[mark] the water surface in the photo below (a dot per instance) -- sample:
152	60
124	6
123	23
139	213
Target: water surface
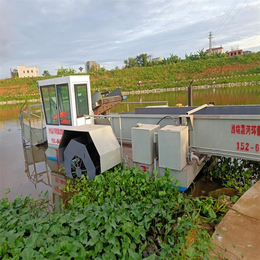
13	166
249	95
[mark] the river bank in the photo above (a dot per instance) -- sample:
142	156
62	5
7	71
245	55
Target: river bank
149	91
36	100
213	86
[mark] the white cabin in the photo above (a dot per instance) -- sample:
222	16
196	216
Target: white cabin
66	102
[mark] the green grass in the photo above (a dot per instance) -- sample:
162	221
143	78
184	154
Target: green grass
185	70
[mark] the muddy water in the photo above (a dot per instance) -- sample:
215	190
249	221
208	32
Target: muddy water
22	178
14	171
249	95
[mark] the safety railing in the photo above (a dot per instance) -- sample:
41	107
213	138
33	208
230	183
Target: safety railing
32	121
140	102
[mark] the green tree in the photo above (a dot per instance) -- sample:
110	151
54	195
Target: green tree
46	73
14	73
103	69
132	62
126	63
93	68
202	54
65	72
192	56
172	59
141	60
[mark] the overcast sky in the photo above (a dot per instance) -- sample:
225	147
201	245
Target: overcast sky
48	33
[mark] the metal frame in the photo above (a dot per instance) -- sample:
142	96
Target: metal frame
47	86
78	85
145	102
58	105
33	129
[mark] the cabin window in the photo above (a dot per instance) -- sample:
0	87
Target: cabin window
64	104
81	100
49	104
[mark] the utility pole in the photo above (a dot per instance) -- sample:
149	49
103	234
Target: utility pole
210	41
189	94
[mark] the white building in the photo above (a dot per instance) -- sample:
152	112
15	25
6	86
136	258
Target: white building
26	72
216	50
158	59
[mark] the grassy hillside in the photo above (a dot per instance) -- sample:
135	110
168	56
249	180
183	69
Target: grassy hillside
223	70
174	75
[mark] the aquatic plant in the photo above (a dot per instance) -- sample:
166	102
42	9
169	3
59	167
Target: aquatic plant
236	173
124	214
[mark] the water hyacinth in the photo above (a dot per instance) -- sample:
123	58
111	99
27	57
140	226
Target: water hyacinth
124	214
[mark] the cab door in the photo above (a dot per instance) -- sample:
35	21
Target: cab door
64	115
57	110
83	109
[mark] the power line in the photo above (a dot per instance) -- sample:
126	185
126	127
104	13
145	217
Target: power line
248	41
250	46
240	39
232	17
226	16
242	43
